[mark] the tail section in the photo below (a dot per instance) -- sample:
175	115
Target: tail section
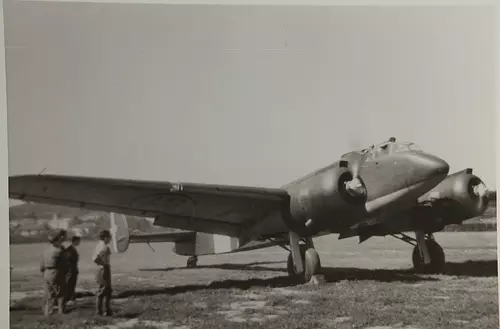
206	244
212	244
185	243
120	238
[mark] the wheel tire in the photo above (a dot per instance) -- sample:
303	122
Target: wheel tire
311	261
436	254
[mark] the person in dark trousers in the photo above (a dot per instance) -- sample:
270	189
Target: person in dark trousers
53	268
101	257
64	266
72	258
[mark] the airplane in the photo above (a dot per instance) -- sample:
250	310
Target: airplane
392	188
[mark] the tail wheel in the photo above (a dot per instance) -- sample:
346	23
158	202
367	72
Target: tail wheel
192	262
436	254
311	261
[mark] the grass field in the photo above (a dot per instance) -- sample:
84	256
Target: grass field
368	285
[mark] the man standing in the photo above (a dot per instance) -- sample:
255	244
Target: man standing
101	257
72	258
53	268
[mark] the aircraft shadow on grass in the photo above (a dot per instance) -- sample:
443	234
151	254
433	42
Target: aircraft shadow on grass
469	269
279	282
485	268
480	268
257	266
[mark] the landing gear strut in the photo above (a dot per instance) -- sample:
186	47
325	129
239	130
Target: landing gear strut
303	260
427	256
192	262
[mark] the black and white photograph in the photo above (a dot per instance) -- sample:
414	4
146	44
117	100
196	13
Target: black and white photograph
218	165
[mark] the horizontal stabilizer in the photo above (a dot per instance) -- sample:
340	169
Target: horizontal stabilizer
254	245
187	243
162	237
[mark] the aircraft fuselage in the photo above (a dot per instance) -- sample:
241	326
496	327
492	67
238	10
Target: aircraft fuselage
394	176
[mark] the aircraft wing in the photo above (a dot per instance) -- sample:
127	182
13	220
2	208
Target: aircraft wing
218	209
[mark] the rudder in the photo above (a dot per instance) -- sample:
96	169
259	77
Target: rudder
120	238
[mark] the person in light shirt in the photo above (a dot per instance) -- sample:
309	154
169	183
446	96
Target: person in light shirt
53	267
101	258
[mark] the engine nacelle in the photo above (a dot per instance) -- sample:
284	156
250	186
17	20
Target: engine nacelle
318	198
459	197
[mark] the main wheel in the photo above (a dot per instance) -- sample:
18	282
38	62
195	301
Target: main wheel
436	254
311	261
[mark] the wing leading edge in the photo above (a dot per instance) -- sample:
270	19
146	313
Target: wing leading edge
219	209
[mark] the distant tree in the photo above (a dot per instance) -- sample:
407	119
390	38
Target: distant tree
12	215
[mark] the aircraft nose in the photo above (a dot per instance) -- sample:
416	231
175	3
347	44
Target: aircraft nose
430	165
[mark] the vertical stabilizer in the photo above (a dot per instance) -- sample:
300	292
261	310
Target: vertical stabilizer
120	237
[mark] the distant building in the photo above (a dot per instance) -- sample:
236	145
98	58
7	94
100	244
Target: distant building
26	221
59	223
83	229
14	223
32	230
90	217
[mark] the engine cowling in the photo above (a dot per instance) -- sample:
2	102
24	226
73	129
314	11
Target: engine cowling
459	197
317	199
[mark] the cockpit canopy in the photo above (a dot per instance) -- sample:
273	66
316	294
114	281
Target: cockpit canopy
388	147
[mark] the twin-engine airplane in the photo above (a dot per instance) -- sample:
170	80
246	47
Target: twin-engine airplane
387	189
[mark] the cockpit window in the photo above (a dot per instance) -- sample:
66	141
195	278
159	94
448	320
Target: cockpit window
406	147
414	147
400	147
391	147
385	148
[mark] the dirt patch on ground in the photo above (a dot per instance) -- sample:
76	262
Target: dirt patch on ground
336	321
251	311
397	326
135	323
290	292
17	296
237	311
251	296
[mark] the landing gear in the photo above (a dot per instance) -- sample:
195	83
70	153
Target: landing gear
427	256
192	262
303	261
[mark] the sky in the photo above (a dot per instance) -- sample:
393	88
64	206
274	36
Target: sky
243	95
